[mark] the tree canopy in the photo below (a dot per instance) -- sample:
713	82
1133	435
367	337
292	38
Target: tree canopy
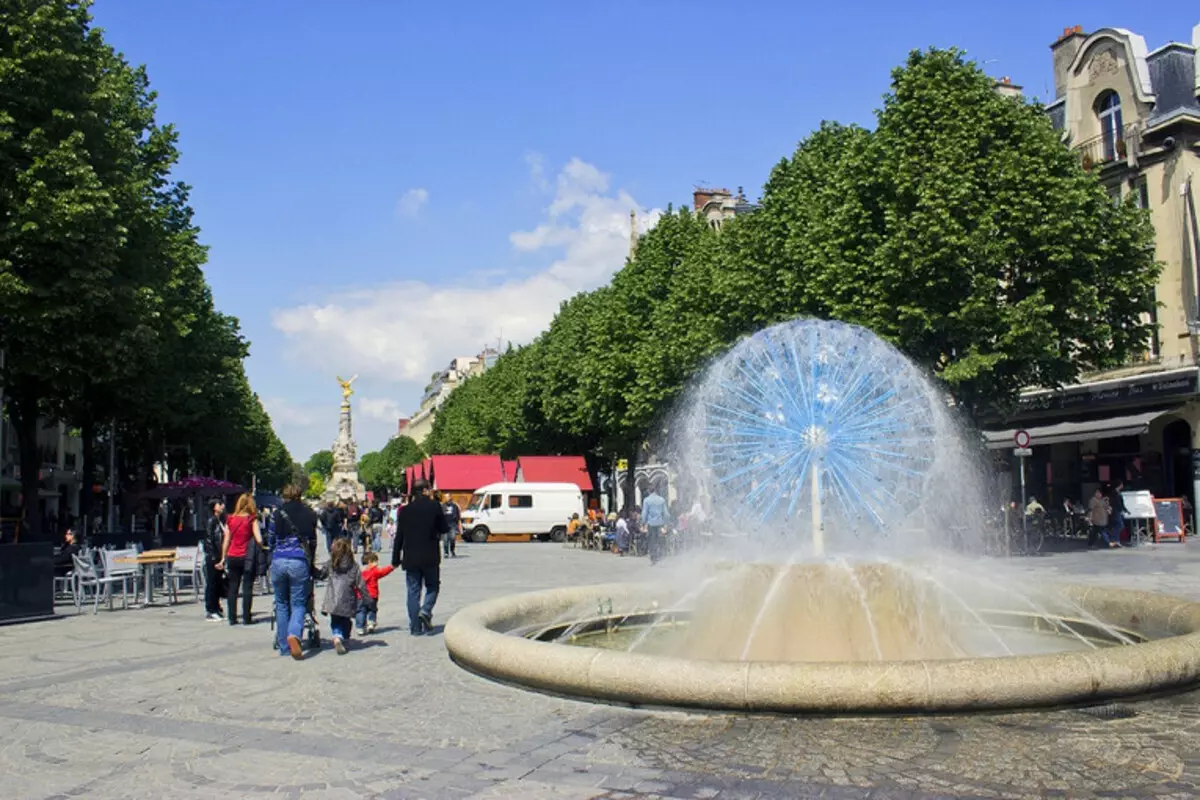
109	322
320	462
383	470
961	228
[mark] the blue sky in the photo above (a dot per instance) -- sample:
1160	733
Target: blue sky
387	185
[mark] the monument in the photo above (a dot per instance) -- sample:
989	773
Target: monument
343	483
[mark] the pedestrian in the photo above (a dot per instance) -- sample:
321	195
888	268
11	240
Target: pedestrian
368	607
344	587
328	519
293	551
453	525
375	519
214	578
621	540
236	558
1098	518
1116	502
654	514
419	527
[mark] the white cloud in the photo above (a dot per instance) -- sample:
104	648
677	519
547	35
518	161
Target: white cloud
411	202
380	408
285	412
585	238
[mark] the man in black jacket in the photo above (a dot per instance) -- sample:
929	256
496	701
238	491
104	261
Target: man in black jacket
419	529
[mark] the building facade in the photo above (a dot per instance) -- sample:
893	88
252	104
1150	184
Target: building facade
719	205
60	475
439	388
1133	117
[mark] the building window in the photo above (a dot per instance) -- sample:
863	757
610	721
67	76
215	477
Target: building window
1114	192
520	501
1108	109
1141	193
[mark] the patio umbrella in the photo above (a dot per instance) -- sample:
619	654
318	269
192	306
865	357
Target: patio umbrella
194	486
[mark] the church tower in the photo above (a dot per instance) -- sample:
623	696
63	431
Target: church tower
633	234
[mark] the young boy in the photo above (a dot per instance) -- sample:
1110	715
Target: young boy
368	607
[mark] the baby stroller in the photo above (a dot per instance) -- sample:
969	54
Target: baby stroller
310	637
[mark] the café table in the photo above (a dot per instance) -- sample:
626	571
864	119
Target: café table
149	560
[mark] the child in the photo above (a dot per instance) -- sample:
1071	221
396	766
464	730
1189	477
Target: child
368	604
345	586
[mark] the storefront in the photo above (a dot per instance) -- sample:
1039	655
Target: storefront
1140	430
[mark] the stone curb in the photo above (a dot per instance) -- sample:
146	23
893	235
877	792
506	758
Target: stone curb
477	639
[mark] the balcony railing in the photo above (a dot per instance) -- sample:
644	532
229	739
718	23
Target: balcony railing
1107	149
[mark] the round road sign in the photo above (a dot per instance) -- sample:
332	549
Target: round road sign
1021	438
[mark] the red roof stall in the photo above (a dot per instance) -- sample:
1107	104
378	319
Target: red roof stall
554	469
460	476
510	471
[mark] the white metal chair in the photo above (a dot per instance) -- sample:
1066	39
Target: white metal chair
126	574
88	578
186	567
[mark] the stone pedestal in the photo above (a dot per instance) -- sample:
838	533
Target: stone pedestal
344	484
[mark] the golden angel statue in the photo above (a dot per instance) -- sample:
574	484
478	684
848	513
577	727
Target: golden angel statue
346	390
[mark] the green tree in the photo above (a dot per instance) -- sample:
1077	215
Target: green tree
371	471
963	231
320	462
316	486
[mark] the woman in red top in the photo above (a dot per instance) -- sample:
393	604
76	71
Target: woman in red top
236	558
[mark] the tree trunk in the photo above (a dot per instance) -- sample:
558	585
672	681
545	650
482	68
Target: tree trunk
87	471
24	410
631	481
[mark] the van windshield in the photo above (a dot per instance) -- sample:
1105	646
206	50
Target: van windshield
476	502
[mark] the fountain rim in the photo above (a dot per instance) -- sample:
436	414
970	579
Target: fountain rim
478	638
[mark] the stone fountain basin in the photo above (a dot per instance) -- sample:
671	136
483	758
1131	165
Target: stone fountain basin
481	638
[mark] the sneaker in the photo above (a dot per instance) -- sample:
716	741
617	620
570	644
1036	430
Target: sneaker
294	647
370	627
339	645
214	617
426	622
361	631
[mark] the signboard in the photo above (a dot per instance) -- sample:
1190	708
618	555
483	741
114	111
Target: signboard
1169	513
1139	391
1022	452
1021	438
1138	505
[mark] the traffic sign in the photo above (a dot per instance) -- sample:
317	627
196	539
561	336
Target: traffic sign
1022	452
1022	439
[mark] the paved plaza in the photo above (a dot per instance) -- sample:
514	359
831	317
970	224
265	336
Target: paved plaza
158	703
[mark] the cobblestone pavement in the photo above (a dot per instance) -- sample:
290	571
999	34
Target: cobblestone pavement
154	703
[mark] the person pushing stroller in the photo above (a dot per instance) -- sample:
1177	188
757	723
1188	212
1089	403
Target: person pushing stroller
293	548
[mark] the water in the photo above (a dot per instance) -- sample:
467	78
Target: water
831	469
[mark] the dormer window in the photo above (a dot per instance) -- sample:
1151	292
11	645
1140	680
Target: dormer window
1108	111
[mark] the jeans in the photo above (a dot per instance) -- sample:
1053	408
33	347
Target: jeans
1113	534
290	578
448	541
376	538
340	627
415	577
363	616
329	537
655	534
240	574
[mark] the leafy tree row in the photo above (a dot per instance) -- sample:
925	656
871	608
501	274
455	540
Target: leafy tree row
961	229
108	322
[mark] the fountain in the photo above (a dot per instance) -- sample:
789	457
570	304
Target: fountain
833	470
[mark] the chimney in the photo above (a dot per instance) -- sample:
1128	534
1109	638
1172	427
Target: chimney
1006	87
700	198
1064	50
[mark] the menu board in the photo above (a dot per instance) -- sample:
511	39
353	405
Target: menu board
1139	505
1168	512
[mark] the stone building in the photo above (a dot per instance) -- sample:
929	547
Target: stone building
1133	117
439	388
719	205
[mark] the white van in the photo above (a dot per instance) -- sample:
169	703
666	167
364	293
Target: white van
522	511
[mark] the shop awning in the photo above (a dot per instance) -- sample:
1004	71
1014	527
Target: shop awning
1106	428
